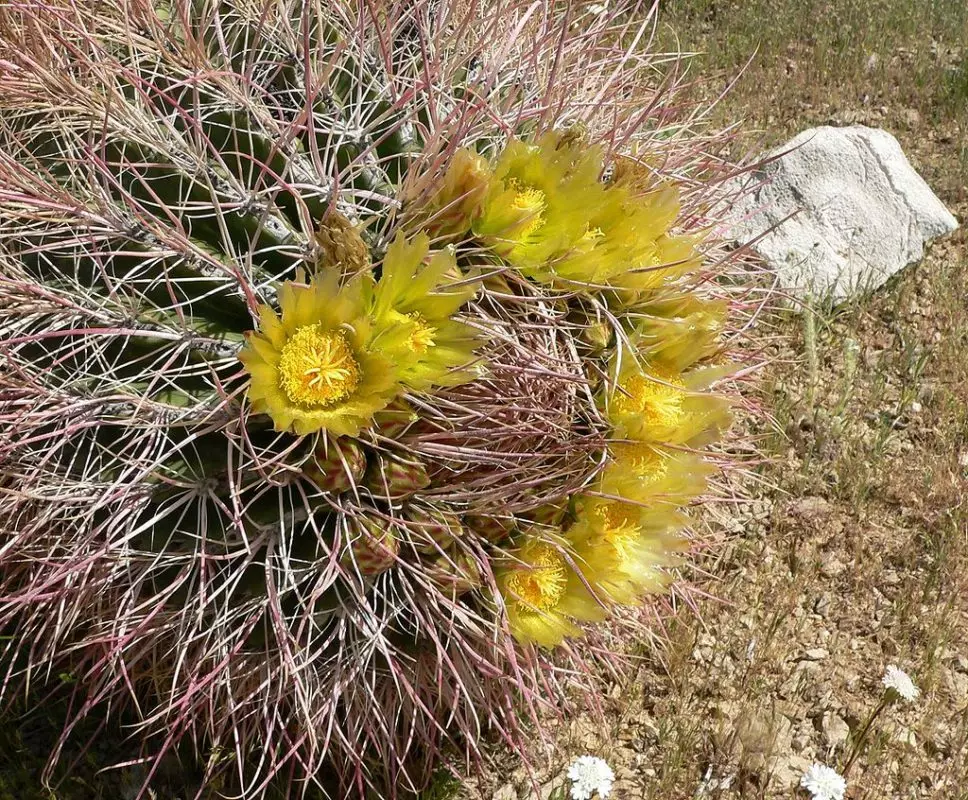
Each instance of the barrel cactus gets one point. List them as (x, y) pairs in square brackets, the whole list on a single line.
[(358, 359)]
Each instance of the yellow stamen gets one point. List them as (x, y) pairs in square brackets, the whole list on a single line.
[(541, 584), (617, 517), (620, 528), (317, 367), (531, 203), (655, 399), (621, 543), (421, 334), (648, 464)]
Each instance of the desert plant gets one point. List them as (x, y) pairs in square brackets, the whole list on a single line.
[(355, 356)]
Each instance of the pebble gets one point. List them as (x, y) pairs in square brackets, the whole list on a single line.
[(835, 730), (506, 792), (831, 567)]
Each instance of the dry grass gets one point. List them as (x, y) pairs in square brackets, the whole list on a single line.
[(851, 552), (891, 63)]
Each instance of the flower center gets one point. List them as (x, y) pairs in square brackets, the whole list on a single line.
[(618, 518), (649, 465), (421, 334), (620, 528), (531, 203), (658, 402), (541, 585), (317, 367)]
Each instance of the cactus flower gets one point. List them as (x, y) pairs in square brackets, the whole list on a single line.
[(413, 304), (315, 367), (623, 549), (655, 404), (544, 596), (540, 200)]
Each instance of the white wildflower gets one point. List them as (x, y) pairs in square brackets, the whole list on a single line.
[(590, 774), (823, 783), (896, 680)]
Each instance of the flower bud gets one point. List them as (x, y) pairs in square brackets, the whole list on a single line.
[(550, 514), (458, 573), (598, 335), (340, 245), (373, 545), (492, 529), (337, 465), (394, 420), (394, 478), (432, 529), (461, 192)]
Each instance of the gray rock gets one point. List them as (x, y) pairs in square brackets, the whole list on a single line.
[(860, 211)]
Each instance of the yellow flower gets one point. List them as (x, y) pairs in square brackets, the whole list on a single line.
[(625, 239), (540, 201), (544, 595), (315, 367), (625, 534), (547, 212), (671, 257), (648, 407), (661, 406), (459, 197), (647, 464), (411, 308), (679, 330), (338, 355), (623, 548), (648, 474)]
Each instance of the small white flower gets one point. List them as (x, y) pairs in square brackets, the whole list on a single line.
[(823, 783), (590, 774), (897, 680)]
